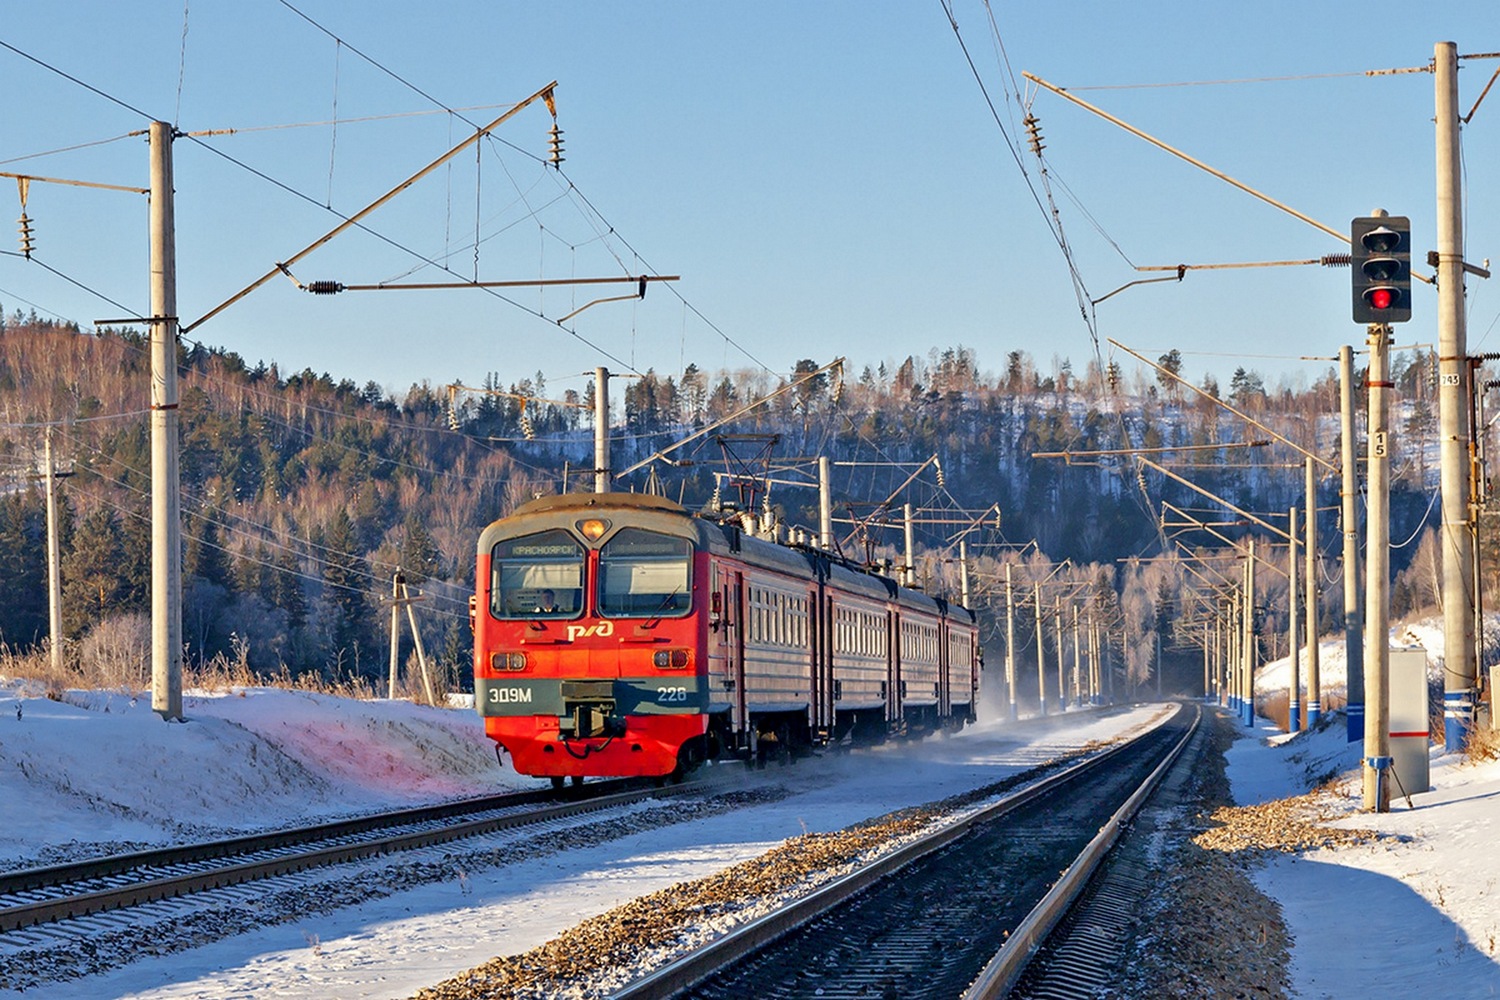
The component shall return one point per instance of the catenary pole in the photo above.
(825, 507)
(908, 529)
(601, 430)
(1010, 644)
(1057, 635)
(1294, 652)
(963, 571)
(1453, 407)
(54, 567)
(166, 504)
(1310, 595)
(1250, 643)
(1354, 655)
(1041, 659)
(1077, 659)
(394, 666)
(1377, 758)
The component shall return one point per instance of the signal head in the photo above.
(1380, 252)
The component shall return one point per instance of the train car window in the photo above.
(537, 576)
(644, 574)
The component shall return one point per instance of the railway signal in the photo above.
(1380, 250)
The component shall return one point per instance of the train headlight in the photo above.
(593, 529)
(508, 661)
(670, 659)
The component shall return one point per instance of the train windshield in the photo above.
(537, 576)
(643, 574)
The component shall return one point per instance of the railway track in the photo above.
(958, 913)
(37, 896)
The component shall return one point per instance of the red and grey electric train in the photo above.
(617, 634)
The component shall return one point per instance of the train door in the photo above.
(818, 623)
(734, 600)
(894, 694)
(945, 680)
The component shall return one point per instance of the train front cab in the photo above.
(589, 632)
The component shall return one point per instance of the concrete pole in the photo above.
(601, 431)
(390, 687)
(1453, 410)
(1250, 644)
(825, 509)
(166, 503)
(1294, 684)
(1157, 636)
(1232, 632)
(1354, 647)
(54, 568)
(1234, 639)
(1057, 634)
(1109, 667)
(909, 571)
(1095, 673)
(416, 638)
(1377, 760)
(1231, 649)
(1041, 659)
(963, 571)
(1310, 592)
(1208, 684)
(1010, 644)
(1077, 660)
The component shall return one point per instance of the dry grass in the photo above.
(116, 656)
(1482, 745)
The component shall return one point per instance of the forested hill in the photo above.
(302, 494)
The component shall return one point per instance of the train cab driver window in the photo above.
(529, 573)
(645, 574)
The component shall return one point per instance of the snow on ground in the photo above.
(1405, 917)
(100, 766)
(98, 771)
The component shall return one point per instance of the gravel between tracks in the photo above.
(1208, 933)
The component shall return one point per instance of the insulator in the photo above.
(1336, 259)
(838, 385)
(555, 146)
(527, 430)
(1432, 369)
(942, 481)
(1034, 133)
(716, 502)
(452, 417)
(1140, 478)
(324, 287)
(26, 245)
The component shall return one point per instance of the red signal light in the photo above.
(1381, 298)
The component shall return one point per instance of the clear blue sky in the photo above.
(826, 177)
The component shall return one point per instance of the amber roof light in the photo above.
(593, 529)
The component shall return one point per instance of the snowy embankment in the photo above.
(1417, 910)
(98, 770)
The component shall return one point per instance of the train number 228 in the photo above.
(671, 694)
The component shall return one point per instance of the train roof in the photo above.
(724, 537)
(584, 501)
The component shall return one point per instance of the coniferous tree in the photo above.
(345, 575)
(23, 567)
(419, 556)
(93, 584)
